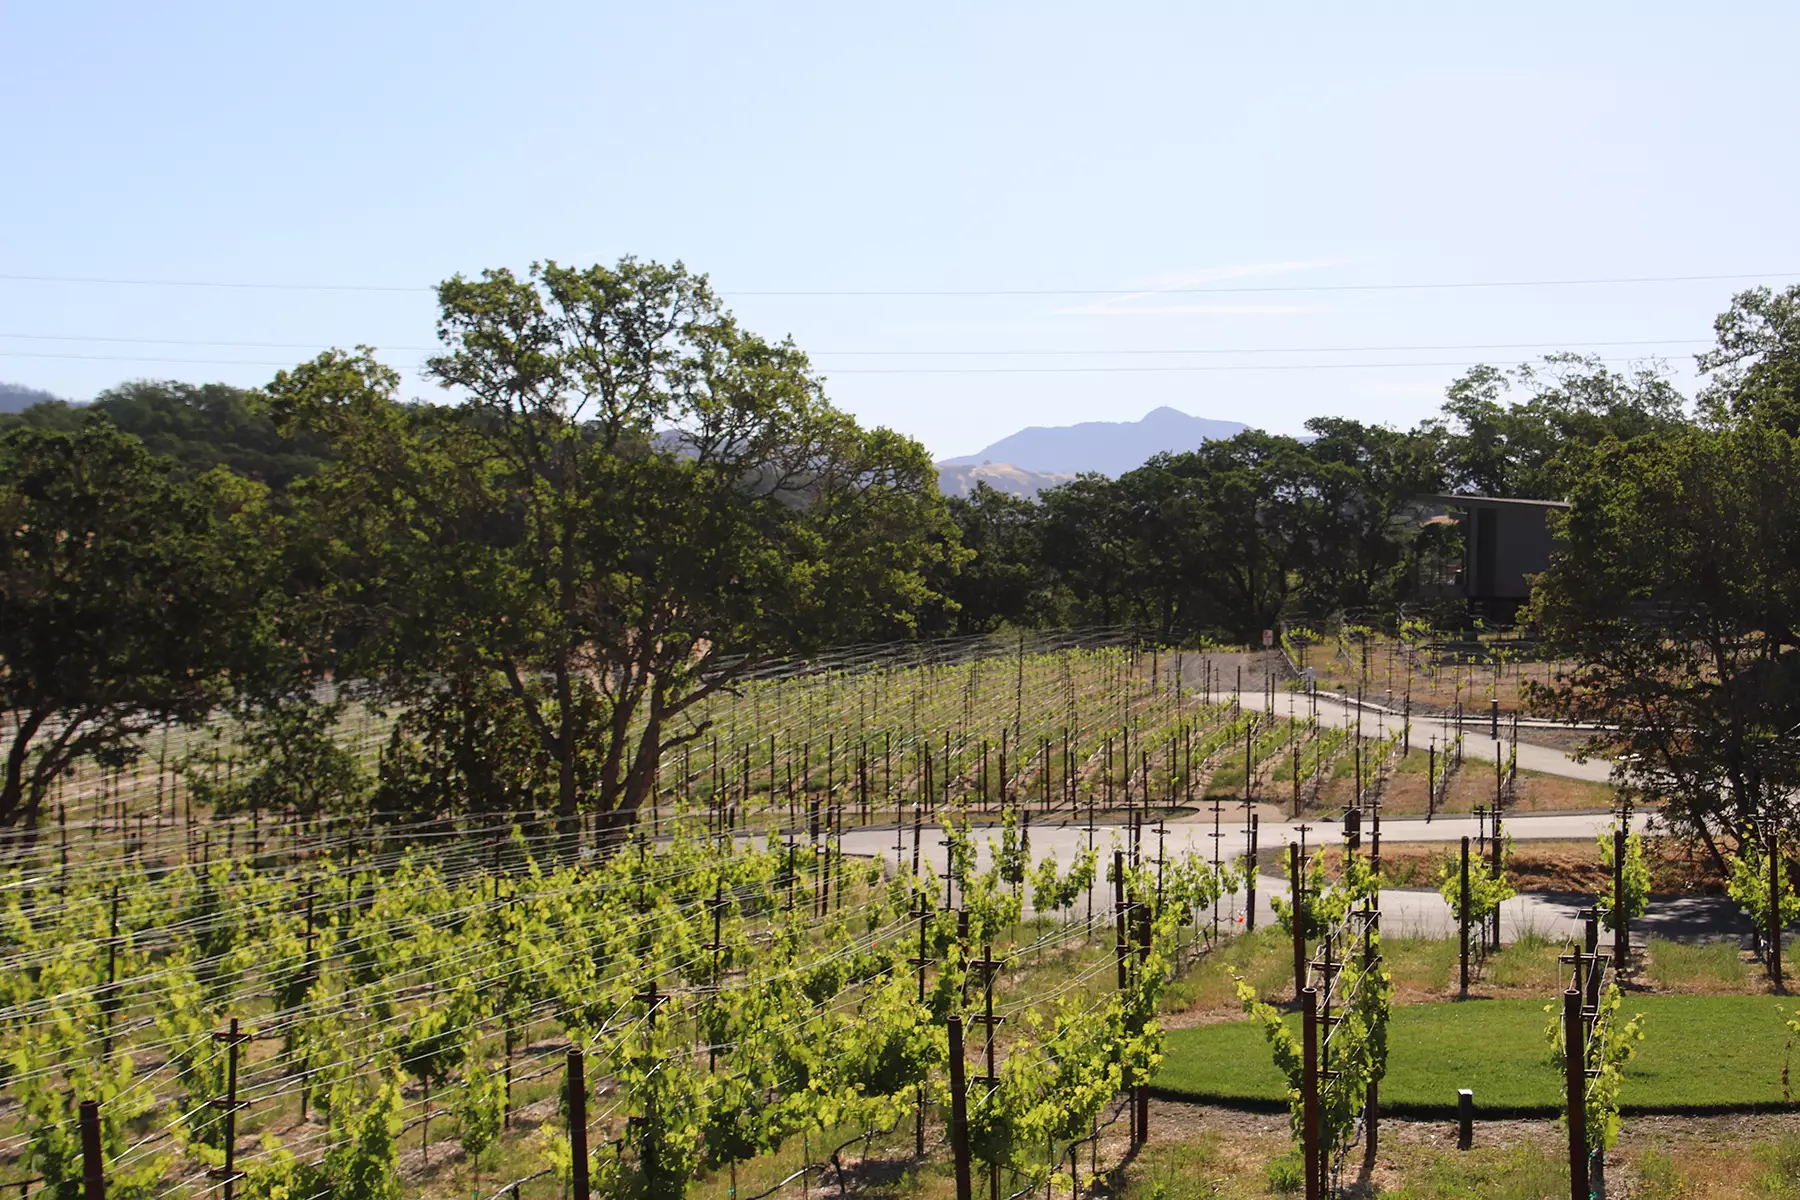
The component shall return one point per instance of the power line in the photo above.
(214, 283)
(143, 341)
(151, 358)
(1269, 288)
(1010, 353)
(1175, 368)
(1059, 370)
(1234, 289)
(1563, 345)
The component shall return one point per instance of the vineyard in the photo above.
(864, 738)
(223, 993)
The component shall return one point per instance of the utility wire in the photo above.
(1008, 353)
(251, 285)
(1182, 368)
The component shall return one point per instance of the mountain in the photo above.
(1108, 447)
(16, 397)
(959, 479)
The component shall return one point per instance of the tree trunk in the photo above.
(12, 788)
(568, 813)
(568, 792)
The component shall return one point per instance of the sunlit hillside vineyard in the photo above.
(286, 998)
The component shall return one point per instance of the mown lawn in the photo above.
(1700, 1053)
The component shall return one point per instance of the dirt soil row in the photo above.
(1676, 869)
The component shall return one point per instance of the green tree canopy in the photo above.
(1676, 592)
(127, 598)
(1493, 447)
(196, 426)
(1755, 365)
(1233, 537)
(1001, 578)
(1089, 542)
(1676, 589)
(1364, 528)
(633, 501)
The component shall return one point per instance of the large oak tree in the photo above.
(630, 502)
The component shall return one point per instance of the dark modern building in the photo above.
(1505, 543)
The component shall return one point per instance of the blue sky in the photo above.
(1121, 150)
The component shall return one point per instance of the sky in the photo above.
(975, 217)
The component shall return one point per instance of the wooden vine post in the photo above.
(1144, 919)
(1296, 780)
(1295, 867)
(1124, 910)
(959, 1110)
(1249, 766)
(310, 974)
(1119, 913)
(1431, 780)
(1462, 919)
(1591, 940)
(93, 1167)
(988, 965)
(229, 1174)
(578, 1150)
(110, 1004)
(1309, 1093)
(1621, 911)
(1775, 911)
(921, 962)
(1499, 860)
(1250, 879)
(1371, 932)
(1575, 1073)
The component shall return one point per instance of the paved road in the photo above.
(1335, 712)
(1195, 834)
(1405, 911)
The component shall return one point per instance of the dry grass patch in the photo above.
(1541, 866)
(1702, 967)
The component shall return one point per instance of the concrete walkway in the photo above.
(1338, 713)
(1405, 911)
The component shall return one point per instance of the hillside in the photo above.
(16, 397)
(1107, 447)
(959, 479)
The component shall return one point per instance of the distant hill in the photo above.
(16, 397)
(1107, 447)
(959, 479)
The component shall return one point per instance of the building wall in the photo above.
(1508, 544)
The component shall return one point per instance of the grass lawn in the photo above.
(1700, 1053)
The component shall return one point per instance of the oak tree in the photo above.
(1675, 596)
(631, 502)
(127, 599)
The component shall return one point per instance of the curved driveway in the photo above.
(1405, 911)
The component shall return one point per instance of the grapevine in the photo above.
(1747, 882)
(1612, 1045)
(1636, 898)
(1488, 888)
(1358, 1042)
(407, 981)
